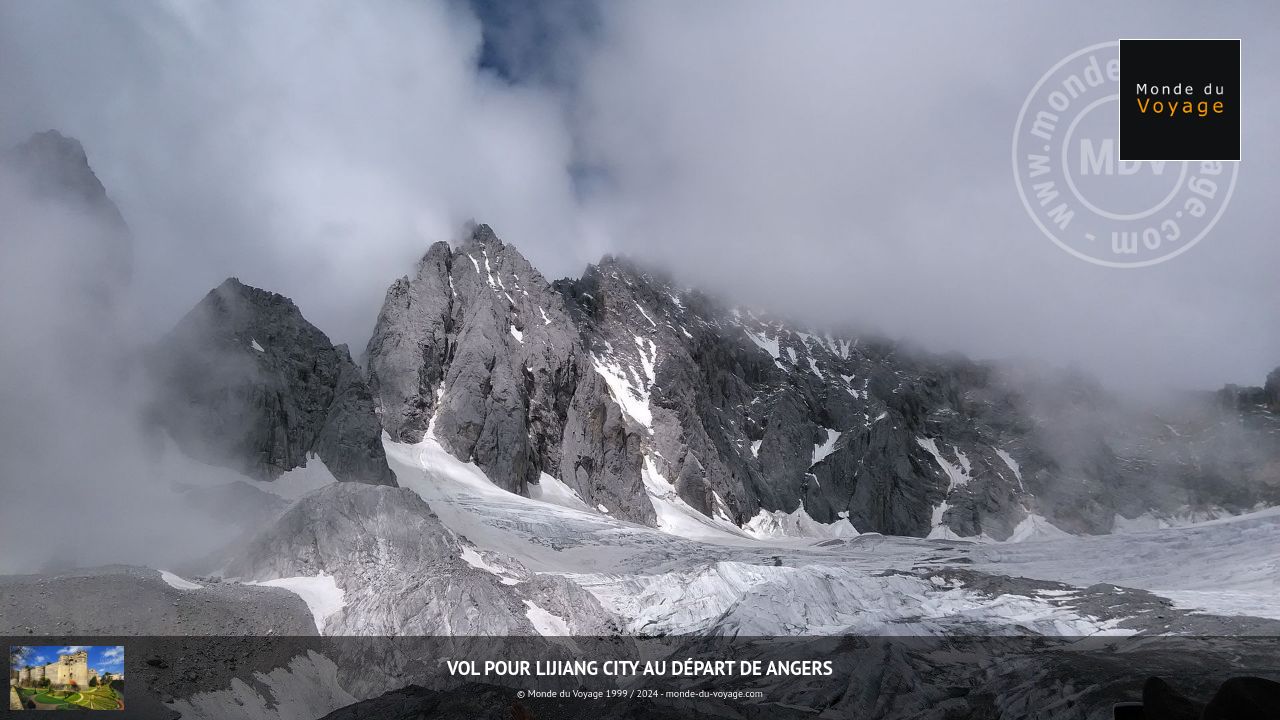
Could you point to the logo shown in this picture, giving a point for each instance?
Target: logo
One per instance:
(1107, 211)
(1180, 99)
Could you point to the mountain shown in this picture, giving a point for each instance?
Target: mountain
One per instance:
(244, 381)
(55, 165)
(653, 402)
(397, 570)
(479, 348)
(54, 170)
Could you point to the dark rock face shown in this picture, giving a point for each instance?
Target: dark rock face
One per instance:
(630, 389)
(244, 381)
(750, 415)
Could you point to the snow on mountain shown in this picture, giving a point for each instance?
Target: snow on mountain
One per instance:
(715, 580)
(777, 525)
(1226, 566)
(627, 388)
(1013, 466)
(827, 446)
(546, 623)
(177, 582)
(677, 517)
(1034, 528)
(552, 490)
(734, 598)
(321, 594)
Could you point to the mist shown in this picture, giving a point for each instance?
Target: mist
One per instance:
(313, 149)
(842, 164)
(850, 164)
(83, 482)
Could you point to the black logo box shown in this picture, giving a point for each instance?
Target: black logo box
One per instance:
(1187, 68)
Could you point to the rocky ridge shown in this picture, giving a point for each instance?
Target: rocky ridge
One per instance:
(648, 399)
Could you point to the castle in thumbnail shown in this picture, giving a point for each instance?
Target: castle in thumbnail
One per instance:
(69, 669)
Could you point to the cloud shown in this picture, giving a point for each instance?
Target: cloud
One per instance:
(316, 149)
(849, 162)
(838, 162)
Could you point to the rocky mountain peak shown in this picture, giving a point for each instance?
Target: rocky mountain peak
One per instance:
(54, 163)
(245, 381)
(56, 166)
(236, 305)
(480, 235)
(479, 349)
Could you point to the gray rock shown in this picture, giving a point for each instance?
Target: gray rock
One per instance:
(408, 351)
(476, 345)
(244, 381)
(124, 600)
(402, 571)
(603, 453)
(479, 347)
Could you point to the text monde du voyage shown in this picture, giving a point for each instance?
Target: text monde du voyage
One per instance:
(1179, 99)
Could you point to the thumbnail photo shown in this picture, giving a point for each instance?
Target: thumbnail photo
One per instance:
(68, 677)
